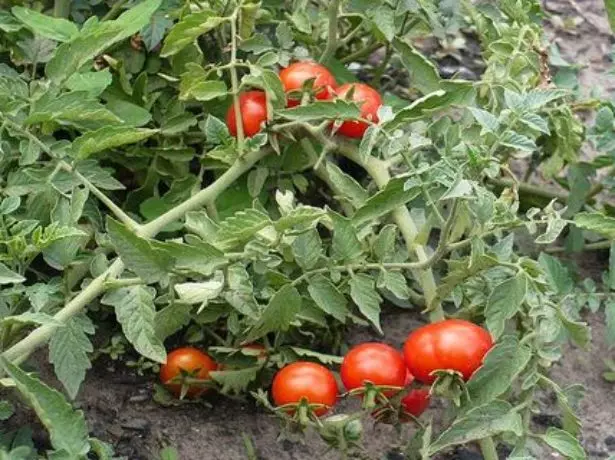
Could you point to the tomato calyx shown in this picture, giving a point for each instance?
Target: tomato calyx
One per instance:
(187, 381)
(302, 412)
(449, 384)
(374, 394)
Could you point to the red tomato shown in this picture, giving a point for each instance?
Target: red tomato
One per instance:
(253, 107)
(377, 363)
(295, 75)
(369, 101)
(190, 360)
(451, 344)
(416, 402)
(305, 380)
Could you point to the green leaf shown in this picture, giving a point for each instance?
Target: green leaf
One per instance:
(94, 83)
(67, 428)
(188, 30)
(596, 222)
(256, 180)
(346, 185)
(423, 73)
(334, 110)
(384, 245)
(518, 141)
(609, 5)
(557, 274)
(57, 29)
(171, 319)
(235, 381)
(565, 443)
(487, 420)
(307, 249)
(195, 85)
(538, 98)
(153, 33)
(384, 19)
(108, 138)
(504, 303)
(579, 331)
(609, 310)
(201, 292)
(346, 245)
(71, 56)
(68, 352)
(240, 227)
(396, 283)
(8, 276)
(555, 226)
(489, 123)
(216, 130)
(535, 122)
(6, 410)
(301, 215)
(501, 366)
(240, 294)
(391, 197)
(328, 298)
(149, 263)
(9, 205)
(136, 313)
(279, 313)
(365, 296)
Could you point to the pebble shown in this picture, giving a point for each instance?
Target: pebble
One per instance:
(610, 442)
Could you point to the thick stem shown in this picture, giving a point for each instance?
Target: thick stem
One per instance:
(487, 448)
(235, 85)
(115, 10)
(329, 51)
(61, 8)
(18, 352)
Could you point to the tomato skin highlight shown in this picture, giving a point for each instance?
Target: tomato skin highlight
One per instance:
(369, 101)
(190, 360)
(373, 362)
(453, 344)
(304, 379)
(253, 108)
(295, 75)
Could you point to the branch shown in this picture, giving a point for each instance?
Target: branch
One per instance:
(235, 85)
(61, 8)
(329, 51)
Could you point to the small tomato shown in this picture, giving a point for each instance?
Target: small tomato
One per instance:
(369, 101)
(295, 75)
(305, 380)
(191, 361)
(253, 108)
(452, 344)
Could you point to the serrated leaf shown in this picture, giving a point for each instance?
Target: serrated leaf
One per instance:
(346, 245)
(396, 283)
(346, 185)
(391, 197)
(489, 123)
(235, 381)
(301, 215)
(94, 83)
(108, 138)
(538, 98)
(92, 41)
(334, 110)
(423, 73)
(487, 420)
(384, 19)
(564, 443)
(323, 358)
(307, 249)
(138, 254)
(136, 313)
(384, 246)
(256, 179)
(240, 294)
(279, 313)
(195, 85)
(201, 292)
(368, 142)
(67, 428)
(171, 319)
(557, 274)
(518, 141)
(596, 222)
(240, 227)
(189, 29)
(328, 298)
(535, 122)
(8, 276)
(153, 33)
(30, 317)
(216, 130)
(579, 331)
(504, 303)
(501, 366)
(365, 296)
(57, 29)
(69, 347)
(555, 226)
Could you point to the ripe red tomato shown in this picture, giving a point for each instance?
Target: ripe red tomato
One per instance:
(416, 402)
(377, 363)
(369, 101)
(295, 75)
(303, 379)
(253, 107)
(451, 344)
(190, 360)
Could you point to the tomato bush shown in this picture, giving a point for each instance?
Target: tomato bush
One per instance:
(242, 172)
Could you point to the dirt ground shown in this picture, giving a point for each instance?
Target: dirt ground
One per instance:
(119, 405)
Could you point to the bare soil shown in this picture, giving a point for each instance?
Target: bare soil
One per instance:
(119, 405)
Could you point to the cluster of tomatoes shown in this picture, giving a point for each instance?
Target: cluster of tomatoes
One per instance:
(253, 104)
(374, 371)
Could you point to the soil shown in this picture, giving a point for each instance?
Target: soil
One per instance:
(119, 405)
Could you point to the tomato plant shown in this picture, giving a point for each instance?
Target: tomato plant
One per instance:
(296, 75)
(305, 381)
(184, 364)
(160, 185)
(452, 344)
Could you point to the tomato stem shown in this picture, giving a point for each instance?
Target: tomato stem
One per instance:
(331, 46)
(487, 448)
